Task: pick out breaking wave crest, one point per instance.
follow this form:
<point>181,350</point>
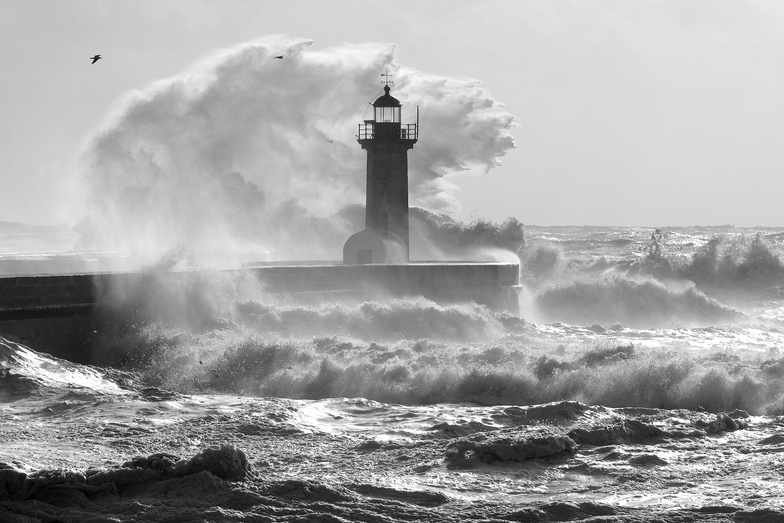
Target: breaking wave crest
<point>515,370</point>
<point>505,372</point>
<point>723,259</point>
<point>141,336</point>
<point>375,320</point>
<point>636,302</point>
<point>735,258</point>
<point>26,373</point>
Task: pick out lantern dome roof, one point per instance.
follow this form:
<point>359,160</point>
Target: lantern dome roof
<point>386,100</point>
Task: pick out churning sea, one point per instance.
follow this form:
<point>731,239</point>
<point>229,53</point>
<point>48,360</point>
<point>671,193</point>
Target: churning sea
<point>643,381</point>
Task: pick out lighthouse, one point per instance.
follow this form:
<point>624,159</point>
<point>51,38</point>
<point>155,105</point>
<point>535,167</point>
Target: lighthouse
<point>387,141</point>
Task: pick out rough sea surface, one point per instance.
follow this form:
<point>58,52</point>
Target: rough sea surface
<point>643,382</point>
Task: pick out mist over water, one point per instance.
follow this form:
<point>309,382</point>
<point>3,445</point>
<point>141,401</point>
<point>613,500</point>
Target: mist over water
<point>243,152</point>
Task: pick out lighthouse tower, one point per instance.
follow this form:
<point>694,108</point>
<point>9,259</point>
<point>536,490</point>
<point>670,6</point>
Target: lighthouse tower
<point>387,141</point>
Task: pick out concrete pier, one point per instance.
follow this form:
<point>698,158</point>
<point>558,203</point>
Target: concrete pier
<point>58,313</point>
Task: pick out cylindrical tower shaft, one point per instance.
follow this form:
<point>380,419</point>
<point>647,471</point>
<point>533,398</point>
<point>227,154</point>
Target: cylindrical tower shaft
<point>386,205</point>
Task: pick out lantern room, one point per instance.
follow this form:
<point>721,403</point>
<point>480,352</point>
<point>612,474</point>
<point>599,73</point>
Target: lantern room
<point>386,108</point>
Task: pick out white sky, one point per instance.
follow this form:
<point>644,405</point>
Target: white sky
<point>647,113</point>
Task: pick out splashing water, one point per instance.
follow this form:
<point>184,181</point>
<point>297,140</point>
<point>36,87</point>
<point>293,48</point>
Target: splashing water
<point>245,152</point>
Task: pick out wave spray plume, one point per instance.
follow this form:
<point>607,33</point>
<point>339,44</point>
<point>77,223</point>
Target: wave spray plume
<point>247,153</point>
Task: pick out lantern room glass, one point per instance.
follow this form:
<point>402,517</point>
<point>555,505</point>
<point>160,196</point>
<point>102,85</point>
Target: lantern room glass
<point>387,114</point>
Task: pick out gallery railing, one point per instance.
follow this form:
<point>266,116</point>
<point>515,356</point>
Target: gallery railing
<point>408,131</point>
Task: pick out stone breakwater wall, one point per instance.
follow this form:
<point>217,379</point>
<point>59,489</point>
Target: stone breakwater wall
<point>48,313</point>
<point>62,314</point>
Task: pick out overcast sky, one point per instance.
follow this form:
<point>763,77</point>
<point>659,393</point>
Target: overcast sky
<point>628,113</point>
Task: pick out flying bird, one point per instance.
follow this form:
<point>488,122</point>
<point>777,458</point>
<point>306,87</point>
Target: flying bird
<point>330,141</point>
<point>95,58</point>
<point>279,57</point>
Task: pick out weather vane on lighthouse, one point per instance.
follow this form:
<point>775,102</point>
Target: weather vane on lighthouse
<point>387,141</point>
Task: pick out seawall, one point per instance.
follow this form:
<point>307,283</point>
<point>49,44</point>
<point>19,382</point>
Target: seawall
<point>63,314</point>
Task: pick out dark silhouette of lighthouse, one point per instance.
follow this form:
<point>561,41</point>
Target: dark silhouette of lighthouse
<point>387,141</point>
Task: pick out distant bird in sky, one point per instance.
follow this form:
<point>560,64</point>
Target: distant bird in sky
<point>95,58</point>
<point>279,57</point>
<point>330,141</point>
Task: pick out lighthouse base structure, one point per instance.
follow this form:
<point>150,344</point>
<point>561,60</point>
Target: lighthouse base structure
<point>374,246</point>
<point>64,314</point>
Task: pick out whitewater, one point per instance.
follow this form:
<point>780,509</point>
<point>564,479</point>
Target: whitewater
<point>643,381</point>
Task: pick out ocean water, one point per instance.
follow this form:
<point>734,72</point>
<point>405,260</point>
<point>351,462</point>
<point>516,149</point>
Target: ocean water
<point>644,381</point>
